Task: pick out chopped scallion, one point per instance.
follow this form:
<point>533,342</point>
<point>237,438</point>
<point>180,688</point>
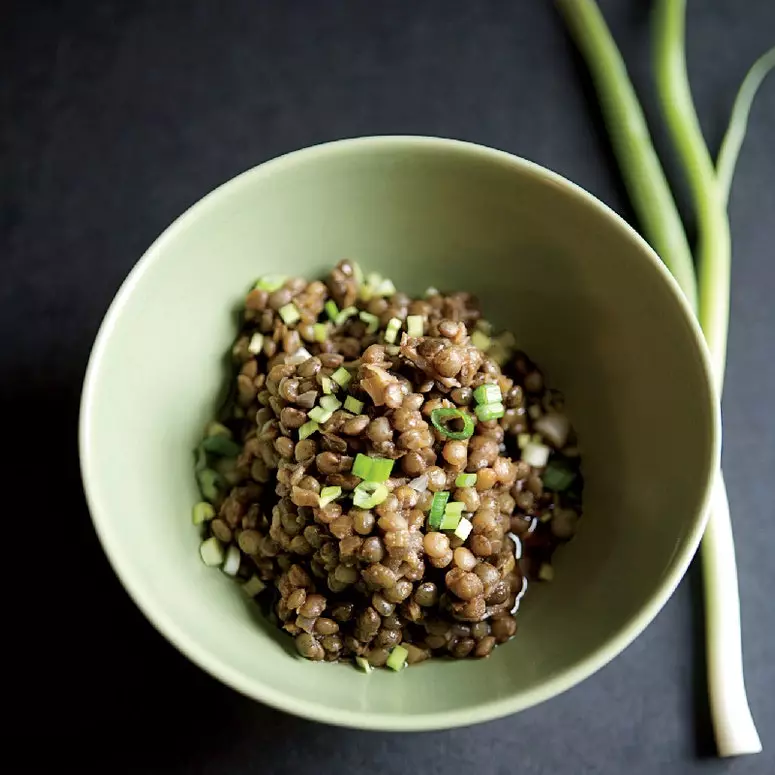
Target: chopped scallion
<point>231,564</point>
<point>329,494</point>
<point>392,349</point>
<point>210,484</point>
<point>308,429</point>
<point>381,468</point>
<point>437,509</point>
<point>441,417</point>
<point>415,325</point>
<point>431,291</point>
<point>397,659</point>
<point>372,321</point>
<point>290,314</point>
<point>253,586</point>
<point>319,414</point>
<point>465,480</point>
<point>222,446</point>
<point>342,377</point>
<point>450,521</point>
<point>211,552</point>
<point>481,340</point>
<point>488,394</point>
<point>330,403</point>
<point>203,512</point>
<point>486,412</point>
<point>331,309</point>
<point>558,476</point>
<point>367,495</point>
<point>523,439</point>
<point>385,288</point>
<point>327,384</point>
<point>536,455</point>
<point>217,429</point>
<point>362,466</point>
<point>363,664</point>
<point>345,315</point>
<point>357,272</point>
<point>546,572</point>
<point>353,405</point>
<point>463,529</point>
<point>320,332</point>
<point>256,343</point>
<point>391,332</point>
<point>270,283</point>
<point>454,509</point>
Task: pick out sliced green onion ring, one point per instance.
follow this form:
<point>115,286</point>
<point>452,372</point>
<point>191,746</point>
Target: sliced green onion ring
<point>290,314</point>
<point>443,415</point>
<point>353,405</point>
<point>465,480</point>
<point>308,429</point>
<point>488,394</point>
<point>367,495</point>
<point>486,412</point>
<point>329,494</point>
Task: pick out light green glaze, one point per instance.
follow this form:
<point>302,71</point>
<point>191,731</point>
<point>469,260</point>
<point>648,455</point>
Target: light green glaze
<point>585,297</point>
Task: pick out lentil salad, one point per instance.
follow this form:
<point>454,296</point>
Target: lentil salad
<point>386,474</point>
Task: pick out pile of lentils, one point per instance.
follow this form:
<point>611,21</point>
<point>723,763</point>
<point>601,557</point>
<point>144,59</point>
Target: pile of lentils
<point>387,475</point>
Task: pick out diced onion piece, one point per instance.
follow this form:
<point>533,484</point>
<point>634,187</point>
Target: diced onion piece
<point>465,480</point>
<point>536,455</point>
<point>367,495</point>
<point>211,552</point>
<point>353,405</point>
<point>554,427</point>
<point>361,466</point>
<point>253,586</point>
<point>486,412</point>
<point>480,340</point>
<point>342,377</point>
<point>319,414</point>
<point>290,314</point>
<point>391,332</point>
<point>330,403</point>
<point>308,429</point>
<point>256,343</point>
<point>463,529</point>
<point>546,572</point>
<point>397,658</point>
<point>523,439</point>
<point>301,355</point>
<point>420,484</point>
<point>381,468</point>
<point>441,416</point>
<point>320,332</point>
<point>415,325</point>
<point>363,664</point>
<point>329,494</point>
<point>327,384</point>
<point>331,309</point>
<point>345,315</point>
<point>488,394</point>
<point>371,321</point>
<point>270,282</point>
<point>202,512</point>
<point>231,565</point>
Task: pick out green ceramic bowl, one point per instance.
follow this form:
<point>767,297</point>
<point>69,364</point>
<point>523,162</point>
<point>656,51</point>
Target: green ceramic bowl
<point>586,298</point>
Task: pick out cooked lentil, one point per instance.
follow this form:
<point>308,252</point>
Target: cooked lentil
<point>360,582</point>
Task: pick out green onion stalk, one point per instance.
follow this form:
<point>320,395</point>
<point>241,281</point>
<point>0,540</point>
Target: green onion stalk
<point>653,202</point>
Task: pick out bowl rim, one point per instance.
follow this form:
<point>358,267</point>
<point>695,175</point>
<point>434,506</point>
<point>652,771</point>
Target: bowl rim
<point>212,662</point>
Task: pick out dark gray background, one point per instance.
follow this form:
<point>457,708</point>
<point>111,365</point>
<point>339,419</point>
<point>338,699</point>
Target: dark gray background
<point>116,116</point>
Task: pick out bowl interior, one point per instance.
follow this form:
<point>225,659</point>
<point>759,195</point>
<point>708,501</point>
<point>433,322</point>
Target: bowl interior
<point>584,297</point>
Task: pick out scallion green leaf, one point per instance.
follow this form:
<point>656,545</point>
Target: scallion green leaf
<point>319,414</point>
<point>558,476</point>
<point>362,466</point>
<point>210,484</point>
<point>488,394</point>
<point>486,412</point>
<point>342,377</point>
<point>327,384</point>
<point>330,403</point>
<point>345,315</point>
<point>329,494</point>
<point>320,332</point>
<point>372,322</point>
<point>308,429</point>
<point>397,658</point>
<point>436,512</point>
<point>222,446</point>
<point>270,283</point>
<point>331,309</point>
<point>380,471</point>
<point>443,416</point>
<point>290,314</point>
<point>353,405</point>
<point>450,521</point>
<point>415,325</point>
<point>465,480</point>
<point>367,495</point>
